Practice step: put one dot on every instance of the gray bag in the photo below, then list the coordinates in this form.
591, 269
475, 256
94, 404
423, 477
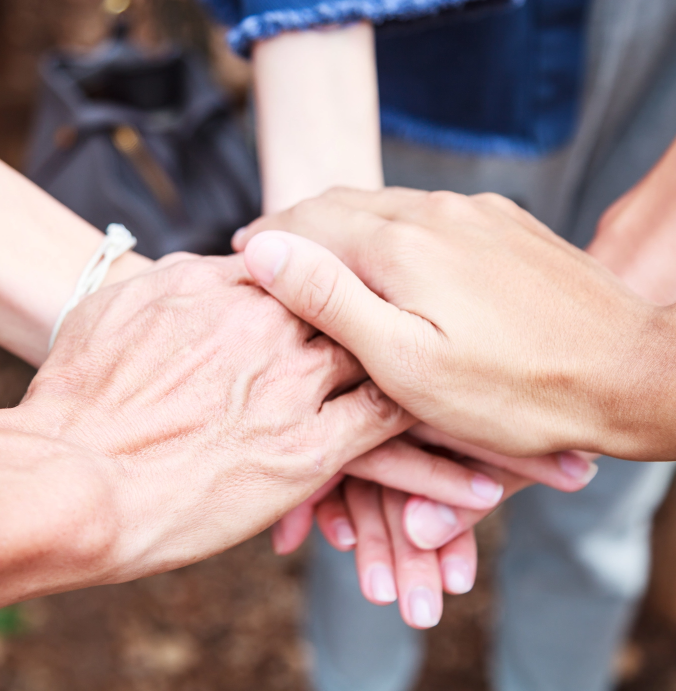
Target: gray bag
148, 142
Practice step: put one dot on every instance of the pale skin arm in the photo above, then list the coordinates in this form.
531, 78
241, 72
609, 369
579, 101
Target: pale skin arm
45, 246
317, 113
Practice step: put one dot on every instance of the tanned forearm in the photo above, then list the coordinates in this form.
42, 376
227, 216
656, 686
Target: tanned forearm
56, 511
317, 113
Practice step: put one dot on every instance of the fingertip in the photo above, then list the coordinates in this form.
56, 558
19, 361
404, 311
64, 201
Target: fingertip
429, 524
424, 608
278, 538
266, 255
382, 589
238, 240
576, 467
458, 575
344, 535
487, 489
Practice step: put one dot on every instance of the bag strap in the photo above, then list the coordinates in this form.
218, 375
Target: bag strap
129, 142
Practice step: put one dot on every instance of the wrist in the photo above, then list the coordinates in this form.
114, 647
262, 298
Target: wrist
27, 324
129, 265
633, 389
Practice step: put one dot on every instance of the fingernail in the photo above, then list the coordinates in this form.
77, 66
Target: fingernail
457, 575
381, 582
424, 608
278, 541
345, 536
576, 467
486, 488
236, 240
267, 257
430, 524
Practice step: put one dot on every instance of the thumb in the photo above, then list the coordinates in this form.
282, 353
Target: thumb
316, 286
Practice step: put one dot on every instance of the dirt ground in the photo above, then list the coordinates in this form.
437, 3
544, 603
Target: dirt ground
230, 623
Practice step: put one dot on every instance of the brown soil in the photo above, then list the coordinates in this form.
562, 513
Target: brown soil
231, 624
227, 623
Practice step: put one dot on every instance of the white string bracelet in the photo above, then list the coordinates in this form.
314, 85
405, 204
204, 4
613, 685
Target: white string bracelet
118, 241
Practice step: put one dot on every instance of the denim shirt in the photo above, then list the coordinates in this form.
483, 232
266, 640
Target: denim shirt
479, 76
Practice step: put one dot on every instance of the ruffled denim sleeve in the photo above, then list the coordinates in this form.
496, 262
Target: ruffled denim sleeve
253, 20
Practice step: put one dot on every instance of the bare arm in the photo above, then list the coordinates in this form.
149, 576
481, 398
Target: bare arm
45, 246
317, 113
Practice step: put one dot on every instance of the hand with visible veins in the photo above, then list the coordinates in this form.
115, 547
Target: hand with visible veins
179, 413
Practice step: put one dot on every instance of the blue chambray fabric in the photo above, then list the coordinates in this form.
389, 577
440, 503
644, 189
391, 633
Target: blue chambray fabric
499, 77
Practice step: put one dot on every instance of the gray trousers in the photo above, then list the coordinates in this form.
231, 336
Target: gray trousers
573, 566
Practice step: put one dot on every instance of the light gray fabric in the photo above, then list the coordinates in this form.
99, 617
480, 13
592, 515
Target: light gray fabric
572, 570
355, 645
574, 565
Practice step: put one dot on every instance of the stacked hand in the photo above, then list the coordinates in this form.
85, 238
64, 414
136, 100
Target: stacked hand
185, 409
378, 236
411, 546
179, 413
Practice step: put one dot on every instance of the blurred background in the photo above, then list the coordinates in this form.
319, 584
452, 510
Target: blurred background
232, 622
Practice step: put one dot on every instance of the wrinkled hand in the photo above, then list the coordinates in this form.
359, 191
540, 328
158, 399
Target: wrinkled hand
207, 411
473, 317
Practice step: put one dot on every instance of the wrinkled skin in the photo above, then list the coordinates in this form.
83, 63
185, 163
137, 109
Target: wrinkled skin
199, 406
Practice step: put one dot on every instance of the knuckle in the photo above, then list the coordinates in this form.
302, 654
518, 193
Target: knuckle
446, 202
322, 298
495, 199
413, 562
373, 540
295, 458
380, 463
176, 257
195, 275
304, 210
380, 406
496, 202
